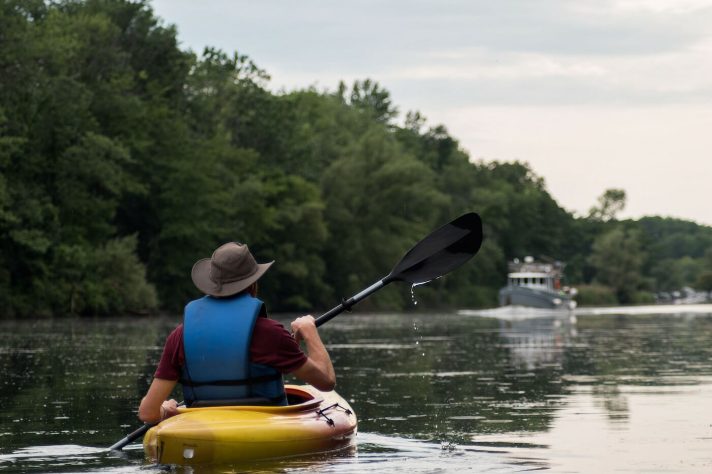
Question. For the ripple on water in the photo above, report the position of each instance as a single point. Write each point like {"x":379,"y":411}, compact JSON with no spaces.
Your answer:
{"x":378,"y":453}
{"x":74,"y":458}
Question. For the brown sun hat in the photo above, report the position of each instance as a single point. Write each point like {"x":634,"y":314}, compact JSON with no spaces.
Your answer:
{"x":231,"y":269}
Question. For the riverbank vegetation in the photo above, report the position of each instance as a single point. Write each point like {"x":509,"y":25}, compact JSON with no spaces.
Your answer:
{"x":124,"y":159}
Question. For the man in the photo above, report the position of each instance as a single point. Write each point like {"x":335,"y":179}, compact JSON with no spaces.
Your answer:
{"x":227,"y":349}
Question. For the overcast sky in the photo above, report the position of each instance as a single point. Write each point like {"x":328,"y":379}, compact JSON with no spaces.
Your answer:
{"x":593,"y":94}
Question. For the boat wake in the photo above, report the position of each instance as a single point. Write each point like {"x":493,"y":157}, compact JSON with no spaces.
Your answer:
{"x":674,"y":309}
{"x":517,"y":313}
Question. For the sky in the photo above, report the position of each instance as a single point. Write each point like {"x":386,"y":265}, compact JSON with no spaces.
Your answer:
{"x":593,"y":94}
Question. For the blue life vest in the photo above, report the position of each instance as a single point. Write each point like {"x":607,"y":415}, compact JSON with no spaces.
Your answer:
{"x":216,"y":340}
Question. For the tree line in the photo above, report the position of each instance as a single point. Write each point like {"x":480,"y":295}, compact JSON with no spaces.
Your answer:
{"x":124,"y":159}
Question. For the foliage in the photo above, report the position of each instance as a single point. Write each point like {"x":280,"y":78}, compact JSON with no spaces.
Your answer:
{"x":102,"y":280}
{"x":617,"y":258}
{"x":610,"y":203}
{"x":124,"y":159}
{"x":595,"y":295}
{"x":643,"y":298}
{"x":704,"y":281}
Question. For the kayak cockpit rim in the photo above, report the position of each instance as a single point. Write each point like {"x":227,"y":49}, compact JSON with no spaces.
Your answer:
{"x":305,"y":401}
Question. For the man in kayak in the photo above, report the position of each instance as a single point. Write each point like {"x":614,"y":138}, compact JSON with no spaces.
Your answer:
{"x":227,"y":350}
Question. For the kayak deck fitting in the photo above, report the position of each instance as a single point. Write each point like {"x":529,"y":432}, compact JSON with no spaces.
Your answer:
{"x":313,"y":422}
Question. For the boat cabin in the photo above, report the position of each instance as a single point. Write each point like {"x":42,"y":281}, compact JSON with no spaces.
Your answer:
{"x":536,"y":275}
{"x":541,"y":281}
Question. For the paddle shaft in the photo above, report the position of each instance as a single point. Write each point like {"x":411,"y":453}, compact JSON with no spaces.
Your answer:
{"x":131,"y":437}
{"x":134,"y":435}
{"x":434,"y":256}
{"x":347,"y":304}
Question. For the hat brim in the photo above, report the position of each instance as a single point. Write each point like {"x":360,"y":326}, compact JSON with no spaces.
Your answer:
{"x":201,"y":279}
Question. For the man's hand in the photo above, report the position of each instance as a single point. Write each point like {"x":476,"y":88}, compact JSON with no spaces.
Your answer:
{"x":304,"y":328}
{"x":169,"y":408}
{"x":151,"y":409}
{"x":317,"y":370}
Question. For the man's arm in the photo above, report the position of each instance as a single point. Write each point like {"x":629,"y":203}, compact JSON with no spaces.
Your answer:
{"x":318,"y":369}
{"x":154,"y":406}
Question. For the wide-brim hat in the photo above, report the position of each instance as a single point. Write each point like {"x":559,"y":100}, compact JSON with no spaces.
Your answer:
{"x":231,"y":269}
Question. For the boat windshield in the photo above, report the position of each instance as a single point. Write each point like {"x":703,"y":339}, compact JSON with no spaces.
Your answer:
{"x":531,"y":280}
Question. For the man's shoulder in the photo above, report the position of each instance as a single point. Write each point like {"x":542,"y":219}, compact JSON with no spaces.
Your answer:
{"x":270,"y":333}
{"x":269,"y":325}
{"x":176,"y":336}
{"x":274,"y":346}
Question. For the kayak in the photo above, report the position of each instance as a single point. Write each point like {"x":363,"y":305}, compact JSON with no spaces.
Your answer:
{"x":313,"y":422}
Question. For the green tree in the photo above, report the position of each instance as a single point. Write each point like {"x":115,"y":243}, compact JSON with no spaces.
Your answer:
{"x":379,"y":201}
{"x":283,"y":216}
{"x":369,"y":97}
{"x":64,"y":163}
{"x":672,"y":274}
{"x":704,"y":278}
{"x":704,"y":281}
{"x":610,"y":203}
{"x":617,"y":259}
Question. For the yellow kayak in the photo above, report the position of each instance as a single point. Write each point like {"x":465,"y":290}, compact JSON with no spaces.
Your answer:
{"x":314,"y":422}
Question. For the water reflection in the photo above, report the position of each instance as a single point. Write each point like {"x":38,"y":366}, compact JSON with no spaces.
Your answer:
{"x":539,"y":341}
{"x":450,"y":377}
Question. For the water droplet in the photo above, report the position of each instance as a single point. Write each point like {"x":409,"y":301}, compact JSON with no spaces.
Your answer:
{"x":448,"y":446}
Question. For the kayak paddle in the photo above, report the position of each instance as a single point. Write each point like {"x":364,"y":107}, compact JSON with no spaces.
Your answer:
{"x":442,"y":251}
{"x":131,"y":437}
{"x":134,"y":435}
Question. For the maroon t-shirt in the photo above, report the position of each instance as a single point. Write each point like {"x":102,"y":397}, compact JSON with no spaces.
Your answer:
{"x":271,"y":345}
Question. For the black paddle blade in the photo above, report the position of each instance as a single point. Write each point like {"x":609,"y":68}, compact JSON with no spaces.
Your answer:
{"x":441,"y":252}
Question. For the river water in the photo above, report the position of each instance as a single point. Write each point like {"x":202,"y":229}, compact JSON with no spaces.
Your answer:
{"x":608,"y":390}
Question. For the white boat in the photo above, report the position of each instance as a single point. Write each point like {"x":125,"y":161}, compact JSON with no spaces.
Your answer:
{"x":536,"y":285}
